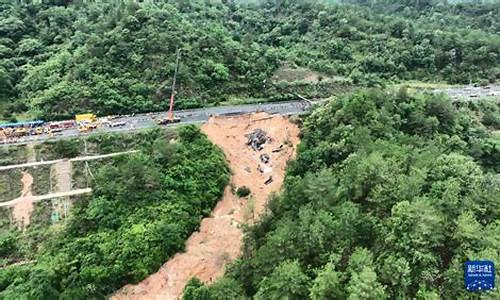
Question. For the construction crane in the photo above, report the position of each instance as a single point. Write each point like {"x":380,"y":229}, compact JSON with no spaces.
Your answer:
{"x":170,"y":115}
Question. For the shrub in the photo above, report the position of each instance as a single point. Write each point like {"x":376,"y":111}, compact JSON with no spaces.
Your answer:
{"x":242,"y":191}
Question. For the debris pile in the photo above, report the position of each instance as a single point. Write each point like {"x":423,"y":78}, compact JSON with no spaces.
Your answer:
{"x":280,"y":148}
{"x":264,"y":170}
{"x":264,"y":158}
{"x":256,"y":139}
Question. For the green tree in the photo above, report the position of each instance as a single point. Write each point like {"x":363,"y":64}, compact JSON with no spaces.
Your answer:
{"x":327,"y":284}
{"x":364,"y":285}
{"x":286,"y":282}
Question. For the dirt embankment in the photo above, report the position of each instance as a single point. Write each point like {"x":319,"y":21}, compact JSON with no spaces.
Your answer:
{"x":219,"y":240}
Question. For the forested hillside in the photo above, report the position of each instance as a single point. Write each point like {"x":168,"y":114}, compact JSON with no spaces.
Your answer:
{"x":389,"y":196}
{"x":142,"y":209}
{"x":58,"y":58}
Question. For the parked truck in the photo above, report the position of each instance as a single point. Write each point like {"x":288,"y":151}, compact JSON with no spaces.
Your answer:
{"x":86,"y":122}
{"x":85,"y":118}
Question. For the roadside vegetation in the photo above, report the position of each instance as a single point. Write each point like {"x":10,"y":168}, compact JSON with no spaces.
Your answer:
{"x":58,"y":58}
{"x":142,"y":209}
{"x":390,"y":194}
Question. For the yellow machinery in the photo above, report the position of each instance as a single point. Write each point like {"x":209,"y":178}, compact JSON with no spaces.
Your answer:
{"x":86,"y":122}
{"x":86,"y":127}
{"x":88,"y":118}
{"x":20,"y":131}
{"x":8,"y":132}
{"x":38,"y":130}
{"x":83,"y":128}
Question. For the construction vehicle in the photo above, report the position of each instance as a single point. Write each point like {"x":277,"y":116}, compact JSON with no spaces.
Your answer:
{"x":21,"y":131}
{"x":170,"y":115}
{"x":89,"y":118}
{"x":86,"y":122}
{"x":18,"y":129}
{"x":86,"y":126}
{"x":83,"y":128}
{"x":7,"y":132}
{"x":37,"y":131}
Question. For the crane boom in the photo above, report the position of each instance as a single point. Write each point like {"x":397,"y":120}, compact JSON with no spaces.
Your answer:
{"x":170,"y":115}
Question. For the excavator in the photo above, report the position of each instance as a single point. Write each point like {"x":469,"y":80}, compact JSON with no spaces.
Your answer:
{"x":170,"y":115}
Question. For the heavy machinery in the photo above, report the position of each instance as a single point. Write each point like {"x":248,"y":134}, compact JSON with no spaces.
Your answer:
{"x":3,"y":136}
{"x":170,"y":115}
{"x":86,"y":122}
{"x":18,"y":129}
{"x":86,"y":126}
{"x":37,"y":131}
{"x":89,"y":118}
{"x":21,"y":131}
{"x":83,"y":128}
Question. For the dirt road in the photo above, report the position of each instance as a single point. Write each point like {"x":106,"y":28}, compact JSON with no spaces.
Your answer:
{"x":220,"y":237}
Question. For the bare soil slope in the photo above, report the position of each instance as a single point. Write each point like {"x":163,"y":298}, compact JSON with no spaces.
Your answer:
{"x":220,"y":237}
{"x":24,"y":205}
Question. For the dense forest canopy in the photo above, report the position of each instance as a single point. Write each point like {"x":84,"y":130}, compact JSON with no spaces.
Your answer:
{"x":389,"y":196}
{"x":142,"y":209}
{"x":58,"y":58}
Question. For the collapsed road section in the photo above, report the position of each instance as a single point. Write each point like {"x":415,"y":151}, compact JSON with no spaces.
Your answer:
{"x":219,"y":239}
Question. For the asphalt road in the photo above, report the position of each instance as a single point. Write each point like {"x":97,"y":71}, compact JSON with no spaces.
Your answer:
{"x":469,"y":93}
{"x":144,"y":121}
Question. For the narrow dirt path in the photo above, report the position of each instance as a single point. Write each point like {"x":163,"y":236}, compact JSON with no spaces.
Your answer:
{"x":219,"y":240}
{"x":62,"y":171}
{"x":24,"y":204}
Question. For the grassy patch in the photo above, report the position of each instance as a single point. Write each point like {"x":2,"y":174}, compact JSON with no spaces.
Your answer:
{"x":10,"y":184}
{"x":10,"y":155}
{"x":79,"y":175}
{"x":5,"y":222}
{"x":64,"y":148}
{"x":82,"y":172}
{"x":41,"y":179}
{"x":41,"y":214}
